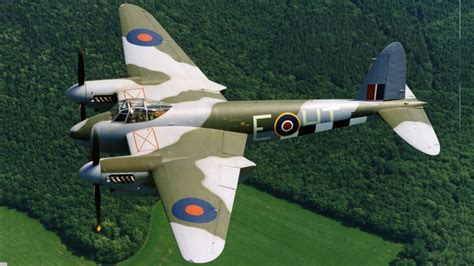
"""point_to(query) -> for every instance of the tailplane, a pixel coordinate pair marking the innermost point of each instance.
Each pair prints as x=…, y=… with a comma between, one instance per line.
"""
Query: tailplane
x=386, y=81
x=412, y=125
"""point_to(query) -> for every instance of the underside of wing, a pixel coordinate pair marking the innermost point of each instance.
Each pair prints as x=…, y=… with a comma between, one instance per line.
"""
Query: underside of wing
x=155, y=60
x=196, y=183
x=412, y=125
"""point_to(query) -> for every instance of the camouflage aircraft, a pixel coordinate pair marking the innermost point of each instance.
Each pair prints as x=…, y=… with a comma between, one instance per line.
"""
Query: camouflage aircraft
x=183, y=141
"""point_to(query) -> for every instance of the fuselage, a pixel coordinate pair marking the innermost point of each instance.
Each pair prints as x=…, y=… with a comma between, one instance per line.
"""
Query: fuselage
x=261, y=120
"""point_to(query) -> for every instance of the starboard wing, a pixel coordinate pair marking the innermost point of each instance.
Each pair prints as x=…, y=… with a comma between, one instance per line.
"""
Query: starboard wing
x=196, y=183
x=156, y=61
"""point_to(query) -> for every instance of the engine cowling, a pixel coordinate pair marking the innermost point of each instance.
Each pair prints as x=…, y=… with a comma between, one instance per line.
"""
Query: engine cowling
x=134, y=183
x=100, y=94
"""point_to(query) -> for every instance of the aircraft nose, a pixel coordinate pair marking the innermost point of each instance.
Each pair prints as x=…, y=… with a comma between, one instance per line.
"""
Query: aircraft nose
x=77, y=93
x=83, y=129
x=80, y=131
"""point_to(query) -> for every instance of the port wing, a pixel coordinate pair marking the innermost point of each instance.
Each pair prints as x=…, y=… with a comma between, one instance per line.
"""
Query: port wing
x=153, y=58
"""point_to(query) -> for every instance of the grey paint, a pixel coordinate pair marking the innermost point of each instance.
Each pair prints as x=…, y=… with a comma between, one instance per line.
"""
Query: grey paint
x=390, y=69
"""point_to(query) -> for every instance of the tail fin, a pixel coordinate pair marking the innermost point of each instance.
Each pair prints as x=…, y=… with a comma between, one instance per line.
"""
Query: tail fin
x=386, y=80
x=412, y=125
x=386, y=77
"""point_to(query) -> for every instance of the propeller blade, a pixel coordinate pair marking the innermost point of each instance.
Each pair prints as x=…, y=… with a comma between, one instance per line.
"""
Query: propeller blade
x=81, y=76
x=98, y=227
x=95, y=152
x=83, y=111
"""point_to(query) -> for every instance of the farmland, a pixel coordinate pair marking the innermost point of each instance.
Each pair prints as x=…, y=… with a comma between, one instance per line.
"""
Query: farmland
x=264, y=230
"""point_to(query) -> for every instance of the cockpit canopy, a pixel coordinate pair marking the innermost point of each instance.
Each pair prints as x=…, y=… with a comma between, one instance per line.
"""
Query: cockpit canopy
x=139, y=110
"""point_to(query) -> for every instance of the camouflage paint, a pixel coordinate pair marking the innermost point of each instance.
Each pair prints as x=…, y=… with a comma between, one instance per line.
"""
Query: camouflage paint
x=193, y=153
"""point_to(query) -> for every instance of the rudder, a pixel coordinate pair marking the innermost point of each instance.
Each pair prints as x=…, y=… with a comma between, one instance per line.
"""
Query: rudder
x=386, y=77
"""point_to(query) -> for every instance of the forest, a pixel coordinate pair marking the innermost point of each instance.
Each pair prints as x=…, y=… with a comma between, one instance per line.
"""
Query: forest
x=365, y=176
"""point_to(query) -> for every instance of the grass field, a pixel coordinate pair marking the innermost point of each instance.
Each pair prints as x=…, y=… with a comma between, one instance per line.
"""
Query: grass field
x=269, y=231
x=24, y=241
x=264, y=231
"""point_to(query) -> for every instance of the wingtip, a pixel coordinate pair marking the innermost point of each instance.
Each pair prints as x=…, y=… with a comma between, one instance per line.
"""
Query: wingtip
x=197, y=245
x=433, y=150
x=393, y=48
x=128, y=6
x=204, y=258
x=420, y=136
x=123, y=5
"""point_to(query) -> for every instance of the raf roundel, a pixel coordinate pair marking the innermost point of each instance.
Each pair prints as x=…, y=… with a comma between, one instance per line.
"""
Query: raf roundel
x=287, y=124
x=194, y=210
x=144, y=37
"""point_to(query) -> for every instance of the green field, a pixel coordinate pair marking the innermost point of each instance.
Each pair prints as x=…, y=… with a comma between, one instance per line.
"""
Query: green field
x=24, y=241
x=264, y=230
x=269, y=231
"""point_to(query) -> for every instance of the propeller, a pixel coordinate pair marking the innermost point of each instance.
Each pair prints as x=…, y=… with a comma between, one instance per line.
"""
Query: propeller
x=83, y=111
x=95, y=154
x=98, y=227
x=81, y=78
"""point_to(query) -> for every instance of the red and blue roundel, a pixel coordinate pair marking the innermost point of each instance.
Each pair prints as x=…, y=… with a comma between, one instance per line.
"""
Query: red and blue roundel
x=144, y=37
x=287, y=124
x=194, y=210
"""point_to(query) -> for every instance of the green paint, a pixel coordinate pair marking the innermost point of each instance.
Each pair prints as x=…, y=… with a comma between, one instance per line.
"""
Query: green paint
x=181, y=178
x=192, y=95
x=145, y=76
x=132, y=17
x=85, y=131
x=238, y=116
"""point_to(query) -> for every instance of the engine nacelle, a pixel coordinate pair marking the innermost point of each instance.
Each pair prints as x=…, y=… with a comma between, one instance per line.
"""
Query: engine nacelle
x=100, y=94
x=132, y=183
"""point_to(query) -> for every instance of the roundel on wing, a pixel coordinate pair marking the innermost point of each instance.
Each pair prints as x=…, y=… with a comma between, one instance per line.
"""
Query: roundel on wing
x=194, y=210
x=287, y=124
x=144, y=37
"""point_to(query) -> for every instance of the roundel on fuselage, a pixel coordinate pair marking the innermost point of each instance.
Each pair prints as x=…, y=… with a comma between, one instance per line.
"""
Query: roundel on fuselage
x=287, y=124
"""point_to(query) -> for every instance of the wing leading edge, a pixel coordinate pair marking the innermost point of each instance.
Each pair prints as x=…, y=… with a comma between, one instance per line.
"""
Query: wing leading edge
x=197, y=184
x=155, y=60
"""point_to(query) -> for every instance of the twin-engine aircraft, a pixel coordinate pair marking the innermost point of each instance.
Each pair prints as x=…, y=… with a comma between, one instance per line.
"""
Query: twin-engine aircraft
x=185, y=142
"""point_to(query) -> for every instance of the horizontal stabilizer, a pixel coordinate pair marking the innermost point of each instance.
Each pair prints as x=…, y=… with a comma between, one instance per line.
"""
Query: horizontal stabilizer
x=412, y=125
